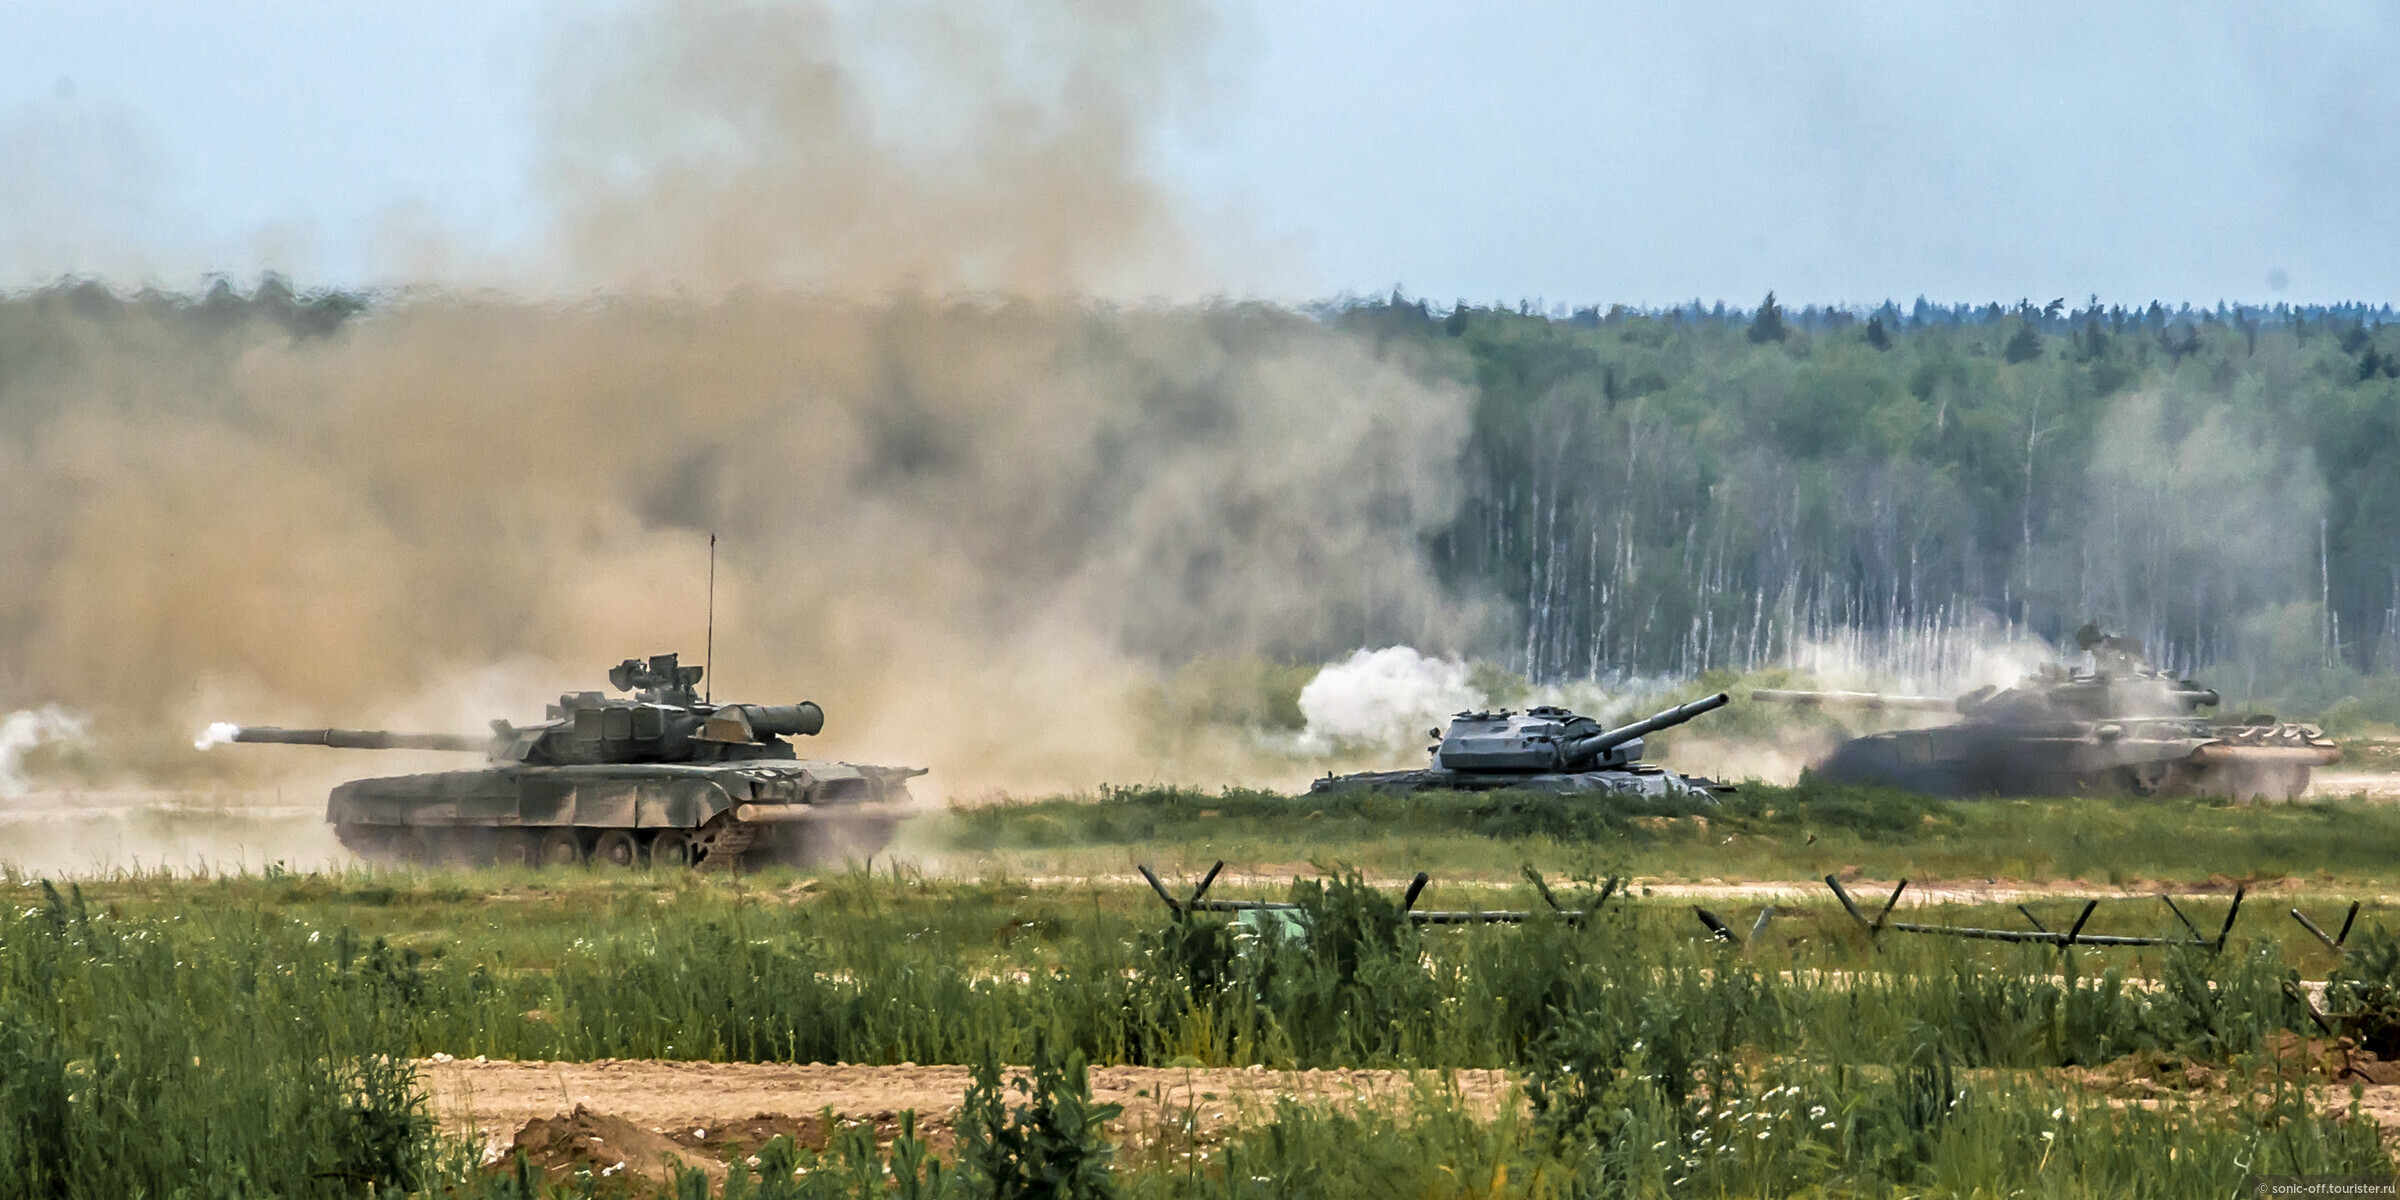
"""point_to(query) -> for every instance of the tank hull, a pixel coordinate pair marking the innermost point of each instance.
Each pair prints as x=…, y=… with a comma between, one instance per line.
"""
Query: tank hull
x=1644, y=782
x=717, y=816
x=2143, y=758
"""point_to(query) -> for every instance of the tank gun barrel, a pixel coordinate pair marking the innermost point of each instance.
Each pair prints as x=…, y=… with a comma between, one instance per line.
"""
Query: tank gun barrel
x=799, y=720
x=361, y=739
x=1857, y=700
x=753, y=722
x=1610, y=739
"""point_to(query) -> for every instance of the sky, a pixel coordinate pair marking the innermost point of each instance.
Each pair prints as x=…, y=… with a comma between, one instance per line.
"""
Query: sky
x=1570, y=153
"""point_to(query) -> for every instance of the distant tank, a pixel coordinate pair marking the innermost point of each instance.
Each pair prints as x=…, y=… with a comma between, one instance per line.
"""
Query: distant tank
x=663, y=779
x=2121, y=728
x=1544, y=749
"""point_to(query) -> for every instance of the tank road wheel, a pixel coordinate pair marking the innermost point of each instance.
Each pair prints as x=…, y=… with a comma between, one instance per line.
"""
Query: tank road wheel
x=2292, y=782
x=375, y=843
x=616, y=848
x=434, y=846
x=464, y=846
x=2147, y=779
x=408, y=846
x=560, y=848
x=516, y=848
x=670, y=849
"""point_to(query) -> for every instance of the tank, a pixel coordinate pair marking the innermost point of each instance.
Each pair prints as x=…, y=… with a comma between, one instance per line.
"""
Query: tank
x=1543, y=749
x=2121, y=728
x=663, y=778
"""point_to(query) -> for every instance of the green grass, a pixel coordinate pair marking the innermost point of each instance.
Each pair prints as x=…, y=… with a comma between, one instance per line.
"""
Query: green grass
x=198, y=1056
x=240, y=1035
x=1763, y=832
x=892, y=968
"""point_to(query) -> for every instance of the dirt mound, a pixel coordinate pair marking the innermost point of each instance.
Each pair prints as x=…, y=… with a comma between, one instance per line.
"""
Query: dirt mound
x=608, y=1146
x=611, y=1147
x=2147, y=1073
x=2335, y=1060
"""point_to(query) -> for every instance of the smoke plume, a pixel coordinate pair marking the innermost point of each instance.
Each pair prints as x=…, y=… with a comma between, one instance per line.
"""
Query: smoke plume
x=25, y=729
x=1386, y=697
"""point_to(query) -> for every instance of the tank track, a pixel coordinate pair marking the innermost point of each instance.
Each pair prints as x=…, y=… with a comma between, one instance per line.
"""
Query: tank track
x=722, y=844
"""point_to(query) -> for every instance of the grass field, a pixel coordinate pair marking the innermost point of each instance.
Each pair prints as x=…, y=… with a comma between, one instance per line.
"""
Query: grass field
x=1761, y=833
x=249, y=1035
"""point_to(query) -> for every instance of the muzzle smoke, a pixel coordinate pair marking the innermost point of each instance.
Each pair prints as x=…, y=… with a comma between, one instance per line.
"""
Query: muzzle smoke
x=1386, y=697
x=25, y=729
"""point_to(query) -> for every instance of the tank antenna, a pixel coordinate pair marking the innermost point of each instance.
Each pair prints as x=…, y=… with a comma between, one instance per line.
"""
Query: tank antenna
x=708, y=657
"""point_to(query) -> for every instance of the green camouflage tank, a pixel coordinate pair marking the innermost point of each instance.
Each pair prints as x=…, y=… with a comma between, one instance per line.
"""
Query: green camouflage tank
x=662, y=778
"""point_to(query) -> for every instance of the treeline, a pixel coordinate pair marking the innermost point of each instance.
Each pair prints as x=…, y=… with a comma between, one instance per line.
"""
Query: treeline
x=1690, y=489
x=1671, y=491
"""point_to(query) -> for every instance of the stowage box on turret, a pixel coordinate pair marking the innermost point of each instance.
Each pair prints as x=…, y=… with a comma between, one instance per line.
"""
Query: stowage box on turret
x=1543, y=749
x=664, y=778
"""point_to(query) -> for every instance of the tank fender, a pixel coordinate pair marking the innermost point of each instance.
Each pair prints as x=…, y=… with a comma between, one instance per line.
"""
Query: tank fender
x=443, y=798
x=682, y=804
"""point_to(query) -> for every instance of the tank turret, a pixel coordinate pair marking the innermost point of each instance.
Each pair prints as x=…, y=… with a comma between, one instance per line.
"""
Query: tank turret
x=665, y=721
x=1544, y=748
x=661, y=776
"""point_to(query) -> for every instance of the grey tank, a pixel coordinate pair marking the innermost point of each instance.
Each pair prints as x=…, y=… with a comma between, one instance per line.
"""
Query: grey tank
x=1544, y=749
x=2121, y=728
x=660, y=778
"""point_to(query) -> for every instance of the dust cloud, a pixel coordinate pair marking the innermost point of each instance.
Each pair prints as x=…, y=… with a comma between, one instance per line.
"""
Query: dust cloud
x=836, y=307
x=947, y=147
x=1939, y=658
x=2197, y=508
x=25, y=729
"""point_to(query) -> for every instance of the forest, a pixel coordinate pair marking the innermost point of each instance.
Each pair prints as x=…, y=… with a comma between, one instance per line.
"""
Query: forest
x=1631, y=493
x=1697, y=488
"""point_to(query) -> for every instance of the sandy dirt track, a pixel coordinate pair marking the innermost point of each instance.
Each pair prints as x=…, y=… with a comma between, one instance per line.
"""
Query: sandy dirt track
x=2370, y=785
x=636, y=1117
x=497, y=1099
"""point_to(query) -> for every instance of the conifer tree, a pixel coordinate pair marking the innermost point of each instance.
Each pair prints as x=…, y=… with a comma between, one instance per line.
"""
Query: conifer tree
x=1767, y=326
x=2024, y=345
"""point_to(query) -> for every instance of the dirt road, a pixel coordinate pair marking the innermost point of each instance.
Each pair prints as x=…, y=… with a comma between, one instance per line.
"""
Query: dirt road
x=635, y=1111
